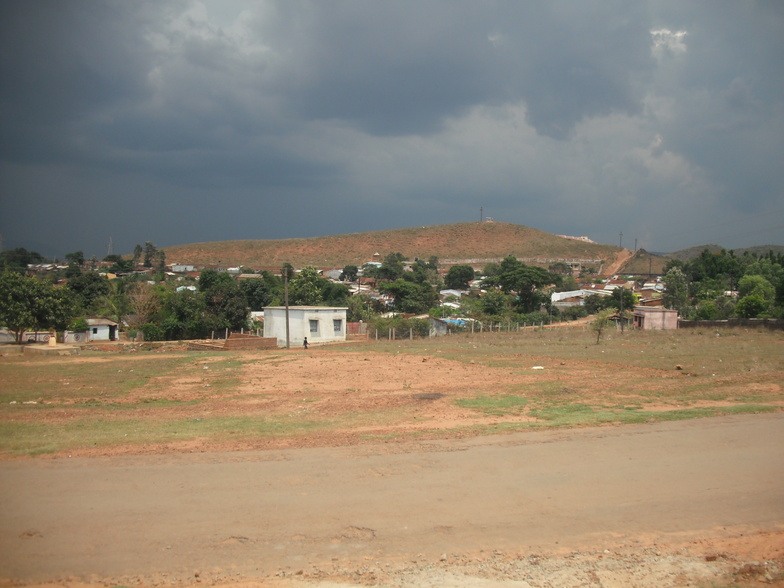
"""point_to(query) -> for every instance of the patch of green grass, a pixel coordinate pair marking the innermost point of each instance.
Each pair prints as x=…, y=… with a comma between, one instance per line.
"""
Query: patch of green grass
x=37, y=439
x=495, y=405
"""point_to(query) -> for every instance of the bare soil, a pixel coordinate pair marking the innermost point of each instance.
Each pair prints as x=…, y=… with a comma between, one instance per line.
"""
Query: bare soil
x=697, y=503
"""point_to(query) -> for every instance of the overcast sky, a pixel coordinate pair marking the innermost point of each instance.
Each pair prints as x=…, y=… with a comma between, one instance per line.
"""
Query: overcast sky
x=180, y=121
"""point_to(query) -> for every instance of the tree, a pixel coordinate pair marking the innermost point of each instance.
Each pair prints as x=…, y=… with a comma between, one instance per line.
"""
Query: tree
x=17, y=260
x=596, y=302
x=756, y=284
x=262, y=291
x=517, y=278
x=751, y=306
x=77, y=257
x=150, y=251
x=349, y=273
x=615, y=299
x=143, y=301
x=185, y=316
x=494, y=302
x=120, y=265
x=676, y=293
x=459, y=276
x=224, y=300
x=392, y=267
x=89, y=287
x=409, y=296
x=305, y=289
x=27, y=303
x=601, y=322
x=137, y=255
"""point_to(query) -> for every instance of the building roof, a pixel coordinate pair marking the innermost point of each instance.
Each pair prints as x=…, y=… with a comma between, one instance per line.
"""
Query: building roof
x=100, y=322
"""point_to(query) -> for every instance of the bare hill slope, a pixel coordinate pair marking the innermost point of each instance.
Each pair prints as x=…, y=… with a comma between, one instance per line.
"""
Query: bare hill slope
x=461, y=241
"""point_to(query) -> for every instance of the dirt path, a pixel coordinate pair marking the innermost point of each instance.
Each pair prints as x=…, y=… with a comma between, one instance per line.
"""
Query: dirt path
x=620, y=260
x=648, y=505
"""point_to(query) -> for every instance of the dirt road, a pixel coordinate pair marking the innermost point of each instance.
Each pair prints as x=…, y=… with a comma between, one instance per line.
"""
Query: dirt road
x=376, y=514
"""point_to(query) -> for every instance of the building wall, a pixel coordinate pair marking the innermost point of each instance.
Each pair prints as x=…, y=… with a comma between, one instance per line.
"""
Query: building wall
x=655, y=318
x=99, y=333
x=302, y=322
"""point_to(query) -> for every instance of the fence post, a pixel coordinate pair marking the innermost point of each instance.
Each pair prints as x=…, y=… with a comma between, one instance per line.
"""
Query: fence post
x=411, y=334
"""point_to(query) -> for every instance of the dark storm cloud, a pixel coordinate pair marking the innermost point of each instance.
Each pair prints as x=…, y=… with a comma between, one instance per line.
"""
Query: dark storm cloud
x=403, y=67
x=182, y=120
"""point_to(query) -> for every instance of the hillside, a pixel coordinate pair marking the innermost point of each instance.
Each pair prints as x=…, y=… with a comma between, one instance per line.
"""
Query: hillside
x=643, y=263
x=462, y=241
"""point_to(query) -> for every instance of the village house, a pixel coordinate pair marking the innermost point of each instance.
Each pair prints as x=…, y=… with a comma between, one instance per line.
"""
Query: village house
x=99, y=329
x=320, y=324
x=655, y=318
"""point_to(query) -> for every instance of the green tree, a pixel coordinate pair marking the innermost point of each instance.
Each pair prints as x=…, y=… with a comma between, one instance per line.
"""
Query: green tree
x=392, y=267
x=494, y=302
x=602, y=321
x=120, y=265
x=137, y=255
x=306, y=289
x=77, y=257
x=459, y=276
x=370, y=270
x=676, y=293
x=17, y=260
x=628, y=299
x=524, y=281
x=27, y=303
x=224, y=300
x=756, y=284
x=150, y=251
x=88, y=288
x=410, y=297
x=596, y=302
x=751, y=306
x=349, y=273
x=185, y=316
x=262, y=291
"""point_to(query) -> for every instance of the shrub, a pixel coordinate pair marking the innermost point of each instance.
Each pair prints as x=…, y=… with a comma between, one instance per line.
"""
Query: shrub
x=78, y=325
x=152, y=332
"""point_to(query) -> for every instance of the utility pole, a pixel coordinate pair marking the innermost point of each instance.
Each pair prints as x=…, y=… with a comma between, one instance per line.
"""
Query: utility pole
x=620, y=240
x=286, y=300
x=481, y=214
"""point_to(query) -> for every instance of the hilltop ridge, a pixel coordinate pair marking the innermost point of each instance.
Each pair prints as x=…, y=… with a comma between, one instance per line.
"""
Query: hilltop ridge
x=452, y=242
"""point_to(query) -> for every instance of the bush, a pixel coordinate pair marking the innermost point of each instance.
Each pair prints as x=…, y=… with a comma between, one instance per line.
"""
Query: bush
x=420, y=327
x=572, y=313
x=152, y=332
x=78, y=325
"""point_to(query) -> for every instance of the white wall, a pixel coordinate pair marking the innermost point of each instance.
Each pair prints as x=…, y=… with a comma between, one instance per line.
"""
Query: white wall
x=300, y=325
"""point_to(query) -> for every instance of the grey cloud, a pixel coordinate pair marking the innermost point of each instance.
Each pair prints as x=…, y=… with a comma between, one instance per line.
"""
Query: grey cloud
x=293, y=118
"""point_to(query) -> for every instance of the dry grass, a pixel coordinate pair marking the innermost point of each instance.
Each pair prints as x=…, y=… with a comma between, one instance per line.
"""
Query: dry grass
x=388, y=390
x=454, y=241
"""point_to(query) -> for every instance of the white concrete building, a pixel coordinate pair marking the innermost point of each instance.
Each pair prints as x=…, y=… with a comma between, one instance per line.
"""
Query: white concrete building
x=320, y=324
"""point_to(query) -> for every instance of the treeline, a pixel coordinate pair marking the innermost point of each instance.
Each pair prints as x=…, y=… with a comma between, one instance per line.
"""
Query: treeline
x=721, y=286
x=188, y=308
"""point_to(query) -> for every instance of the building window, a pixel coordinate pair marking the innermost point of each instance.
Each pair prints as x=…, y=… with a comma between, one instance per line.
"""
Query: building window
x=95, y=330
x=314, y=325
x=338, y=325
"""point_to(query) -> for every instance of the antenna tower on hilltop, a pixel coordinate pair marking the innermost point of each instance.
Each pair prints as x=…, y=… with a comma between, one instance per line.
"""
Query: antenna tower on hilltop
x=109, y=249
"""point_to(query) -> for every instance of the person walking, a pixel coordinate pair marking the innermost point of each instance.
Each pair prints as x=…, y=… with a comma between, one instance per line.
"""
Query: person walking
x=305, y=343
